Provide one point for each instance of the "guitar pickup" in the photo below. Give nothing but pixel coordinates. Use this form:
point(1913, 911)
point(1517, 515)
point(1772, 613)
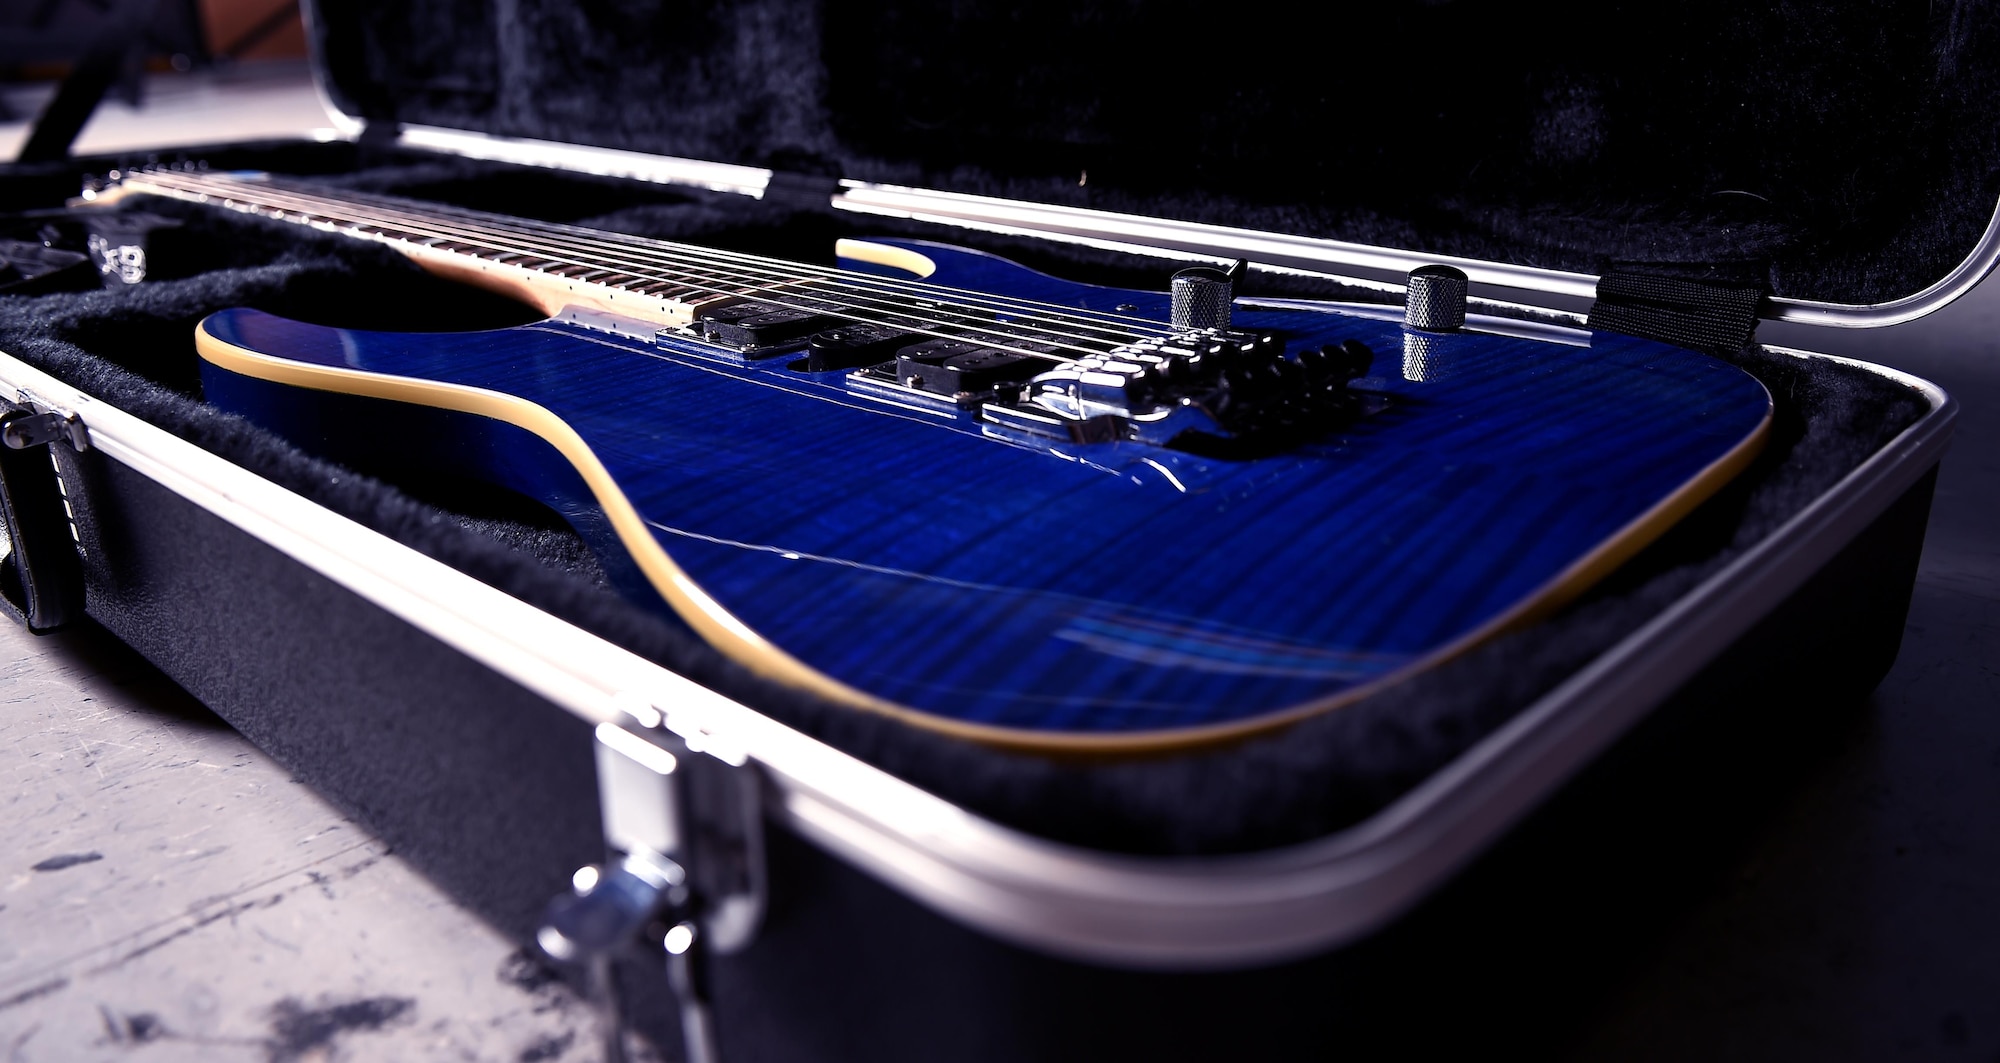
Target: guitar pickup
point(752, 327)
point(960, 368)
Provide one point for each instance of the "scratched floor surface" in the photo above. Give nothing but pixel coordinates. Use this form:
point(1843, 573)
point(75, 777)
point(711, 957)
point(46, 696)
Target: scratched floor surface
point(167, 892)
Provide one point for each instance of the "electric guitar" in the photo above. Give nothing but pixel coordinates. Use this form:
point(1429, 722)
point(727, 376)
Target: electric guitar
point(939, 485)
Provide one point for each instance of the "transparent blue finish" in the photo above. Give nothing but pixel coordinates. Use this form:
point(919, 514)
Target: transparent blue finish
point(1081, 589)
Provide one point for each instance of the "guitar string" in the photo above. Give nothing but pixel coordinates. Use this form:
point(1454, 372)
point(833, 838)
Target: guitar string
point(1061, 313)
point(510, 244)
point(989, 338)
point(882, 293)
point(539, 245)
point(898, 316)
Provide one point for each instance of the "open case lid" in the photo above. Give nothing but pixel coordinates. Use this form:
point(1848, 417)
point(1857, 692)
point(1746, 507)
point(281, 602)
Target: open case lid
point(1843, 154)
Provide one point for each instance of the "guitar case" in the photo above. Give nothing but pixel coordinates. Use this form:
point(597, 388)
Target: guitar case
point(1446, 866)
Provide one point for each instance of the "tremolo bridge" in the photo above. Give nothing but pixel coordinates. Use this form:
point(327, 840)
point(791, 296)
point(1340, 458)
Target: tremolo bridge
point(1219, 391)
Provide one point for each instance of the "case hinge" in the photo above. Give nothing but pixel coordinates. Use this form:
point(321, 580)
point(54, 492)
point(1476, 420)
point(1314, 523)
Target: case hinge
point(684, 874)
point(41, 572)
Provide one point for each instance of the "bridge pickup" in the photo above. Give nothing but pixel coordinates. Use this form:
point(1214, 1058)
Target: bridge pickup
point(961, 369)
point(752, 327)
point(854, 345)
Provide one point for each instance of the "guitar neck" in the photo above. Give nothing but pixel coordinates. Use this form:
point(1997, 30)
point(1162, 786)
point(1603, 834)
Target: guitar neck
point(551, 267)
point(587, 274)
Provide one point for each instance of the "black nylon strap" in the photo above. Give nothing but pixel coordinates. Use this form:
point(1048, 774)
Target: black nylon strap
point(41, 578)
point(1716, 315)
point(802, 190)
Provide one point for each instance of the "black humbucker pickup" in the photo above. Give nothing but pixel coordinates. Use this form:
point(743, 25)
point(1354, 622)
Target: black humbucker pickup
point(959, 367)
point(752, 326)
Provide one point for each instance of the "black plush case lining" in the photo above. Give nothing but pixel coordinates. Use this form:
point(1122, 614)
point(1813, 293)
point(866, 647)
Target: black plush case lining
point(1847, 149)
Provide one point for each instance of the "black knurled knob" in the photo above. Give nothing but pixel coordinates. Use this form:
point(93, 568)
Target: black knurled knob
point(1436, 301)
point(1201, 298)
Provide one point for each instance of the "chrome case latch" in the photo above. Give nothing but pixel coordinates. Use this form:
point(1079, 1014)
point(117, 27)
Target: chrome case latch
point(684, 873)
point(27, 430)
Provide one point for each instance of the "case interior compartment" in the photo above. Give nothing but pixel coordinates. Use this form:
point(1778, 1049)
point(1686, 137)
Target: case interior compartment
point(134, 348)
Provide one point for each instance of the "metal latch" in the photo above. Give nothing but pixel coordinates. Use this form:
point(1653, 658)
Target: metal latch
point(684, 875)
point(41, 429)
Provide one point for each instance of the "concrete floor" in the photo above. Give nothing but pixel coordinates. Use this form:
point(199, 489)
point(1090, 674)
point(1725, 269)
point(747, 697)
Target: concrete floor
point(170, 893)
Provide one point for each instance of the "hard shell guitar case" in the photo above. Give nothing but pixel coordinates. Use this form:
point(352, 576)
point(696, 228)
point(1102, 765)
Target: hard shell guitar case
point(776, 874)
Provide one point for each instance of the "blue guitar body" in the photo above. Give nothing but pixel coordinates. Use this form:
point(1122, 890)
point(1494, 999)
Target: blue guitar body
point(1092, 596)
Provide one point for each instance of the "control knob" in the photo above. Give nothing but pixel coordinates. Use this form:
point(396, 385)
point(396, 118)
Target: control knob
point(1201, 298)
point(1436, 299)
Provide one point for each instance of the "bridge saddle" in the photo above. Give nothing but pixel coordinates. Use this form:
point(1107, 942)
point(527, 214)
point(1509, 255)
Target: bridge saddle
point(1214, 390)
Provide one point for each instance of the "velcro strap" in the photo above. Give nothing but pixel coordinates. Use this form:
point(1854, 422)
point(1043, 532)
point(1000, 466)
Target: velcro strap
point(1718, 316)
